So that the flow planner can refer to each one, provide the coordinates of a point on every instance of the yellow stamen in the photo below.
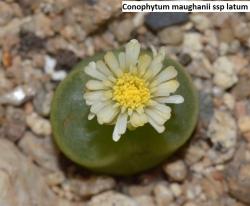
(131, 91)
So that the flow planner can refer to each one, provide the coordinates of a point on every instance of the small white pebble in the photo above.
(176, 189)
(58, 75)
(49, 68)
(50, 64)
(229, 100)
(38, 125)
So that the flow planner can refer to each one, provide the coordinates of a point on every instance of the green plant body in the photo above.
(90, 144)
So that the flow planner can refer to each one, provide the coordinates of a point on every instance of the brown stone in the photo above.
(237, 176)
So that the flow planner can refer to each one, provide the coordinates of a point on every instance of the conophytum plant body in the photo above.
(124, 111)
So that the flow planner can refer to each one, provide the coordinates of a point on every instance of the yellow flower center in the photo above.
(131, 91)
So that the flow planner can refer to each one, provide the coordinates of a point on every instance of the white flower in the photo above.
(132, 90)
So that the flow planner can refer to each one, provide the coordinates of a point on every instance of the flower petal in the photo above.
(137, 119)
(156, 65)
(93, 95)
(122, 60)
(102, 67)
(91, 116)
(107, 114)
(108, 83)
(174, 99)
(133, 69)
(164, 110)
(154, 114)
(97, 95)
(165, 89)
(95, 85)
(91, 70)
(132, 51)
(113, 64)
(165, 75)
(120, 126)
(157, 127)
(99, 105)
(143, 63)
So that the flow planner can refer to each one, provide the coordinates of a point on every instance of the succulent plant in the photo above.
(124, 112)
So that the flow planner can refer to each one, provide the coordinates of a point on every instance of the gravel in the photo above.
(171, 35)
(237, 175)
(41, 41)
(156, 21)
(176, 170)
(225, 75)
(38, 125)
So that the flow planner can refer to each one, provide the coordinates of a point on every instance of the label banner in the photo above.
(185, 6)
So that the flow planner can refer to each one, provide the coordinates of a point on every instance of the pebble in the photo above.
(92, 2)
(65, 59)
(28, 180)
(190, 204)
(40, 24)
(192, 42)
(49, 68)
(226, 34)
(163, 195)
(156, 21)
(185, 59)
(193, 191)
(68, 32)
(206, 107)
(224, 73)
(6, 13)
(240, 61)
(229, 100)
(222, 130)
(194, 153)
(122, 30)
(138, 19)
(15, 124)
(106, 9)
(55, 178)
(210, 37)
(171, 35)
(18, 96)
(237, 176)
(30, 42)
(234, 46)
(219, 155)
(223, 48)
(13, 27)
(176, 189)
(211, 53)
(7, 59)
(145, 200)
(139, 190)
(213, 189)
(13, 131)
(241, 30)
(42, 100)
(176, 170)
(241, 89)
(50, 64)
(5, 83)
(111, 198)
(38, 125)
(201, 22)
(244, 124)
(40, 150)
(91, 186)
(200, 67)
